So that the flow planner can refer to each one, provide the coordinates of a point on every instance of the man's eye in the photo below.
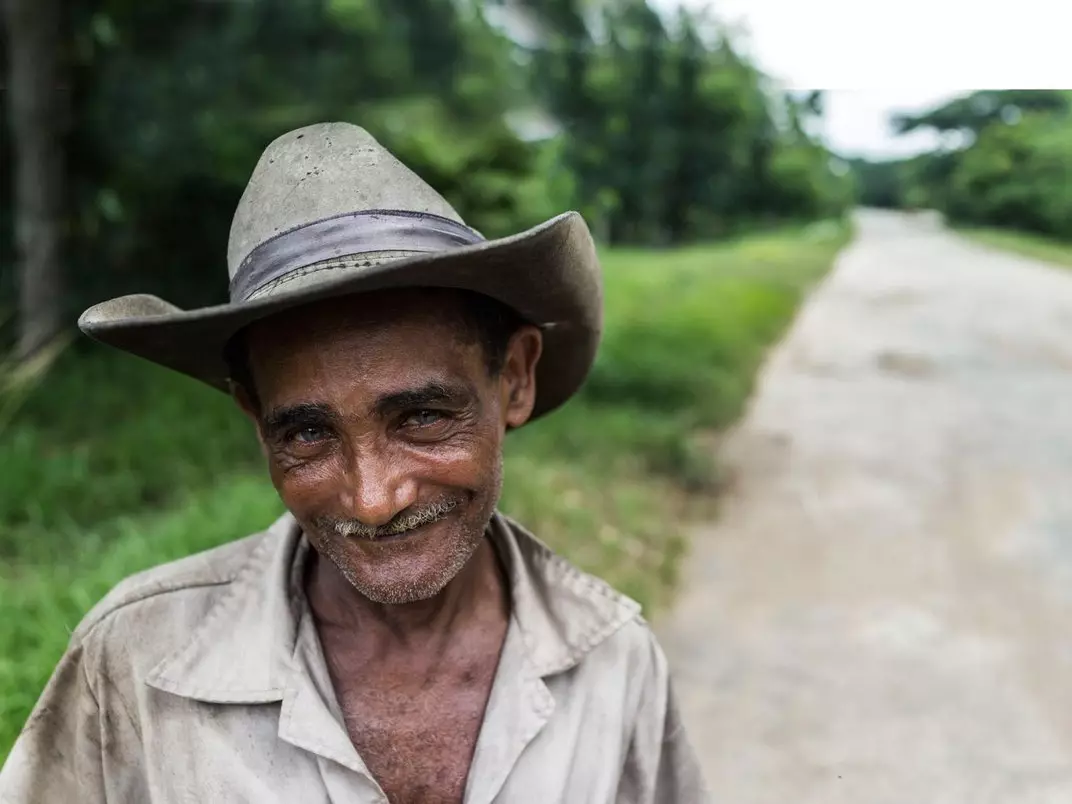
(425, 418)
(309, 435)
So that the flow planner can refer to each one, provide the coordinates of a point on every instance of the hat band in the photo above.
(346, 235)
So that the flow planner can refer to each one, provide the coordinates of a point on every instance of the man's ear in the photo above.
(518, 377)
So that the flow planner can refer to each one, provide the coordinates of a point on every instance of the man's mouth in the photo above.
(406, 526)
(387, 538)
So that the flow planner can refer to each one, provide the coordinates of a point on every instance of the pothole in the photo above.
(906, 364)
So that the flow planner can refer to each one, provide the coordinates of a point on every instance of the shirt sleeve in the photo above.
(661, 766)
(57, 757)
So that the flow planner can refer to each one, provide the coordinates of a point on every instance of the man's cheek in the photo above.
(306, 495)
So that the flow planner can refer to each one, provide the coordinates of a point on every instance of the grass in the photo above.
(1036, 246)
(111, 465)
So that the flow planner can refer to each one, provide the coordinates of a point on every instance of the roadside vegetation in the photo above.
(1029, 244)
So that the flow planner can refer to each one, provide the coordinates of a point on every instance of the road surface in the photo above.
(883, 611)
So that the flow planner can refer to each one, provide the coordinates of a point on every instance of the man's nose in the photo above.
(378, 488)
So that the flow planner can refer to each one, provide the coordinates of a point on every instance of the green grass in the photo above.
(1036, 246)
(111, 465)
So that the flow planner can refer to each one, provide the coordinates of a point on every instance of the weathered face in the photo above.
(383, 429)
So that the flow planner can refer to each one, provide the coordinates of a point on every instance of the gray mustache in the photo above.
(410, 520)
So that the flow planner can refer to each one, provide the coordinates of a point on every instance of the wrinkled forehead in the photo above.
(403, 333)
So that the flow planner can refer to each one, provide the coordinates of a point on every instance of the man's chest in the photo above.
(562, 738)
(418, 744)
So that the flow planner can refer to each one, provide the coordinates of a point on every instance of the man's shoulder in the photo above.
(174, 589)
(560, 573)
(586, 611)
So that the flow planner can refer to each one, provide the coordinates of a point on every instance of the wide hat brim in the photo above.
(549, 274)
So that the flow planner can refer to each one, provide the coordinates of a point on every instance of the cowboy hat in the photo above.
(327, 212)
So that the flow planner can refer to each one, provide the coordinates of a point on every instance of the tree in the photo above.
(37, 114)
(1008, 162)
(971, 113)
(880, 183)
(1017, 176)
(666, 133)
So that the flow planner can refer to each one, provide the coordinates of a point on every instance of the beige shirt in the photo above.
(203, 680)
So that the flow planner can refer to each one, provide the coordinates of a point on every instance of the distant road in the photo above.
(883, 612)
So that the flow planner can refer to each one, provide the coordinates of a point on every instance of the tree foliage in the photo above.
(1008, 162)
(674, 136)
(976, 111)
(1018, 176)
(666, 133)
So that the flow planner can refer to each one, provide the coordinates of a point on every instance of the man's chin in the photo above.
(401, 590)
(407, 568)
(401, 594)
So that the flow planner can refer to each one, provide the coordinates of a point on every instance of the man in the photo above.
(392, 638)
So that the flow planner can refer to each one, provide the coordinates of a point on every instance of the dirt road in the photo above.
(883, 612)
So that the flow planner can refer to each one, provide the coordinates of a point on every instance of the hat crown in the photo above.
(318, 172)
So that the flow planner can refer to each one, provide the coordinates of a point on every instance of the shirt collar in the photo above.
(243, 650)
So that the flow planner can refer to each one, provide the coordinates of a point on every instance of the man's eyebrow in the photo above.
(431, 393)
(305, 414)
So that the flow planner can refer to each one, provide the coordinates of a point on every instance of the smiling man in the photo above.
(393, 638)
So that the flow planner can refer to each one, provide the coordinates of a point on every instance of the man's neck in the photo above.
(477, 594)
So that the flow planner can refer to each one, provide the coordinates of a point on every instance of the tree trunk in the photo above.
(37, 113)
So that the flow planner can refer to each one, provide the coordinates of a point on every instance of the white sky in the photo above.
(879, 58)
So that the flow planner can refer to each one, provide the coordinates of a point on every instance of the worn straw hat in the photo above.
(327, 212)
